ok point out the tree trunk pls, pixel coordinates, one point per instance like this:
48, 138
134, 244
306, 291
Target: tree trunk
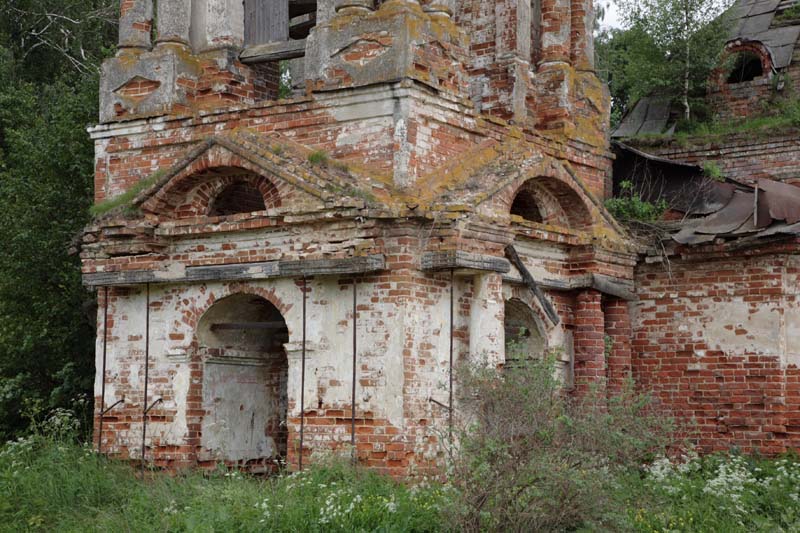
687, 62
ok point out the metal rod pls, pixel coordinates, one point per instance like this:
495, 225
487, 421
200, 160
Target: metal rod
452, 329
160, 400
355, 371
106, 411
303, 379
440, 404
103, 378
146, 375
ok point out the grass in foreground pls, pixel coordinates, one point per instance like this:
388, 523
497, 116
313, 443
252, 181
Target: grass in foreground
47, 485
52, 484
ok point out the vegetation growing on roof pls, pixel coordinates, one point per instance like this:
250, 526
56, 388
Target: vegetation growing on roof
789, 15
785, 117
126, 199
712, 170
630, 207
318, 158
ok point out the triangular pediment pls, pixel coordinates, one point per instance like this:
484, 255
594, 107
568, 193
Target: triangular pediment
247, 153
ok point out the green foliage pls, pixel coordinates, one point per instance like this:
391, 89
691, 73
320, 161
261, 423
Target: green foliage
527, 457
712, 170
728, 493
629, 206
318, 158
667, 48
49, 482
789, 15
48, 95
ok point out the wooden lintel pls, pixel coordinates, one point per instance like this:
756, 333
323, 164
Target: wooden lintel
609, 285
248, 271
459, 260
276, 51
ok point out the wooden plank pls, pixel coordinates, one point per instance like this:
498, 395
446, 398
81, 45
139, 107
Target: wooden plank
242, 326
457, 259
265, 53
266, 21
527, 278
328, 267
246, 271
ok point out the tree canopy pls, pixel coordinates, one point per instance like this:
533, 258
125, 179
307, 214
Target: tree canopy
50, 51
666, 47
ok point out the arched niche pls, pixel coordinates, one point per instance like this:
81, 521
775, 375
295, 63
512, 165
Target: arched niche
524, 334
221, 192
241, 342
550, 201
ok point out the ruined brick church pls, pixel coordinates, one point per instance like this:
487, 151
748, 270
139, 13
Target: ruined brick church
317, 209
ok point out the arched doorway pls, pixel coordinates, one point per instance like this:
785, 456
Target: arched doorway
241, 342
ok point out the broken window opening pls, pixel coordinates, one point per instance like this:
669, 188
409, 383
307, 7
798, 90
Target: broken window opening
241, 341
524, 337
270, 21
238, 197
526, 206
746, 68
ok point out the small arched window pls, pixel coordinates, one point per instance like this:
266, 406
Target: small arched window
746, 68
526, 206
238, 197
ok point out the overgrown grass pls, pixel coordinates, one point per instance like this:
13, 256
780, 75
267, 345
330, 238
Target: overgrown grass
51, 485
58, 486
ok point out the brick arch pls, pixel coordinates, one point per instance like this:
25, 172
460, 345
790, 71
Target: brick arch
719, 77
206, 187
558, 202
191, 317
175, 197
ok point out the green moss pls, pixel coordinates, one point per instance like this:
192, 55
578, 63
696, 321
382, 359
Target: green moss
125, 199
277, 149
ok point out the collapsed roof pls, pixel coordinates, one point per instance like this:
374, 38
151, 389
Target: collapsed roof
711, 209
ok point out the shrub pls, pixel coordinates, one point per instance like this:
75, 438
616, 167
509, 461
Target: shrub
712, 170
528, 457
629, 206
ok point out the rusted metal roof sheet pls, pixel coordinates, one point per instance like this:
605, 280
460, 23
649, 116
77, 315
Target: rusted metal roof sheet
781, 199
771, 208
731, 217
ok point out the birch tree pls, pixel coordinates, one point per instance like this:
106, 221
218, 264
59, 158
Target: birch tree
689, 33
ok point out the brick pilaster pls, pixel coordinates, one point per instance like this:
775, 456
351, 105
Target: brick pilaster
590, 364
618, 331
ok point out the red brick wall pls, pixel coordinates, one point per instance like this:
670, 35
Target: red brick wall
716, 341
744, 157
